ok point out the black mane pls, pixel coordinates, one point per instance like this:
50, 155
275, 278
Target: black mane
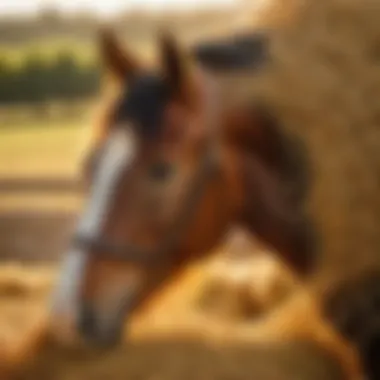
143, 104
240, 52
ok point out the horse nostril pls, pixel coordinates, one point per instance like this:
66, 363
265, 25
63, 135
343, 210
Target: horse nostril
94, 333
160, 171
87, 323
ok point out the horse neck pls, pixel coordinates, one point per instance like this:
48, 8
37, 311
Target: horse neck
273, 218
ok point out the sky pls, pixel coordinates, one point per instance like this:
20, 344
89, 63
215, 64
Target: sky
104, 7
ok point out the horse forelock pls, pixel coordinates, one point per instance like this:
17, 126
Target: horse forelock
142, 103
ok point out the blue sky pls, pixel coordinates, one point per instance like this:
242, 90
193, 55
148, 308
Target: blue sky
99, 6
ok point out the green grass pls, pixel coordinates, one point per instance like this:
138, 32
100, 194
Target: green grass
84, 52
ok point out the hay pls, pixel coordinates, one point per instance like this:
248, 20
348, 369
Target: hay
174, 339
173, 359
18, 280
23, 293
323, 83
245, 283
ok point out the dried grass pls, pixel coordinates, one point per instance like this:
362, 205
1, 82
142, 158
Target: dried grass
17, 280
170, 341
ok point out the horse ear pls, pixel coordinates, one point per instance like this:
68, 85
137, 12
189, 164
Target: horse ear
176, 67
119, 63
257, 130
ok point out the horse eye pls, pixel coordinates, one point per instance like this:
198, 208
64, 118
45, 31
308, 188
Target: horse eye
160, 171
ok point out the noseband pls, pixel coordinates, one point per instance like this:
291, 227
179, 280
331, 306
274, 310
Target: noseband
208, 167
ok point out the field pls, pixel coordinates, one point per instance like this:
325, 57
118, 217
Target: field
47, 51
35, 146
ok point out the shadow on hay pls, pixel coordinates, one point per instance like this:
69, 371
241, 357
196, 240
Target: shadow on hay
186, 359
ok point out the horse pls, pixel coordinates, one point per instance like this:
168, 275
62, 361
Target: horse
174, 167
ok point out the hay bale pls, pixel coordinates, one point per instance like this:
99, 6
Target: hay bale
174, 359
23, 293
175, 348
247, 295
244, 282
323, 83
18, 281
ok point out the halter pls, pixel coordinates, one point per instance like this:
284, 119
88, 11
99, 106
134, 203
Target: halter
208, 167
